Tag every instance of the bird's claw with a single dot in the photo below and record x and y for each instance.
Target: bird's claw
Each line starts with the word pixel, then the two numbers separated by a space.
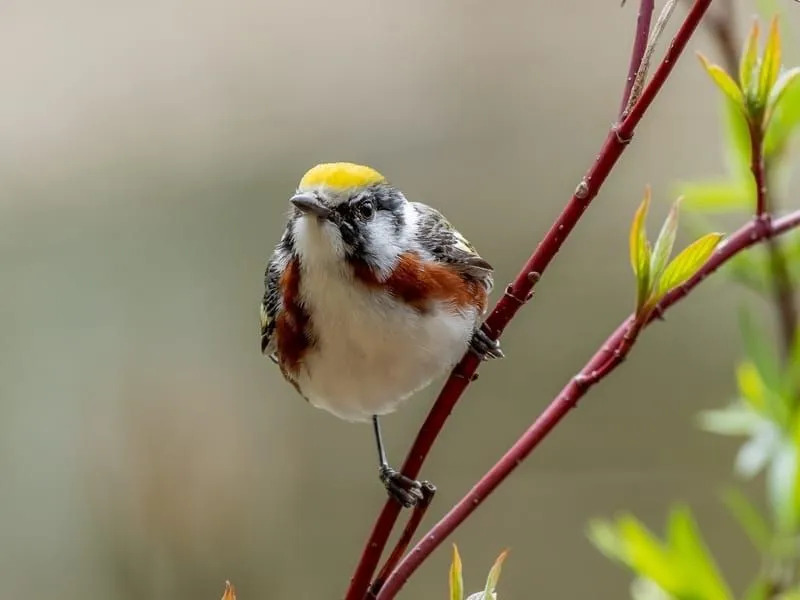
pixel 485 347
pixel 408 492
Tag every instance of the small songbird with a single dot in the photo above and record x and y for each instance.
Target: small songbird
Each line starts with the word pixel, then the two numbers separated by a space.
pixel 368 298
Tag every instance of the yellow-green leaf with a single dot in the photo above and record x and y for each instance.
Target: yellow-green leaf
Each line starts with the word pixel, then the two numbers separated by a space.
pixel 687 263
pixel 640 251
pixel 664 243
pixel 703 579
pixel 749 518
pixel 751 386
pixel 724 81
pixel 607 539
pixel 771 62
pixel 778 91
pixel 494 575
pixel 646 553
pixel 749 57
pixel 456 578
pixel 717 196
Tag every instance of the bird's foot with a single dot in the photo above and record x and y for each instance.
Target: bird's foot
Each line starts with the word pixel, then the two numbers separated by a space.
pixel 483 346
pixel 408 492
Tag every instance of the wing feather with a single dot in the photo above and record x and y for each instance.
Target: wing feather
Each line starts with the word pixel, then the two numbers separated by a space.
pixel 271 303
pixel 447 245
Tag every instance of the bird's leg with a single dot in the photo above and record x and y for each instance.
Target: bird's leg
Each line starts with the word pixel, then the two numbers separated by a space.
pixel 484 346
pixel 408 492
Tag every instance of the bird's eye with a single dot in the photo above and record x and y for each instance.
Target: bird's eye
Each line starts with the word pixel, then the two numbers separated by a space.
pixel 366 209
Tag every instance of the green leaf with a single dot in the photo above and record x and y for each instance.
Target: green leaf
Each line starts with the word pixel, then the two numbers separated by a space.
pixel 646 554
pixel 456 577
pixel 787 79
pixel 747 63
pixel 494 575
pixel 717 196
pixel 749 519
pixel 734 419
pixel 640 251
pixel 783 124
pixel 724 81
pixel 687 263
pixel 684 539
pixel 605 537
pixel 664 243
pixel 759 350
pixel 647 589
pixel 751 386
pixel 770 62
pixel 783 113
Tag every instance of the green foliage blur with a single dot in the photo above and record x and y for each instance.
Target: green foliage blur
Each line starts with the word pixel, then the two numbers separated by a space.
pixel 761 105
pixel 457 578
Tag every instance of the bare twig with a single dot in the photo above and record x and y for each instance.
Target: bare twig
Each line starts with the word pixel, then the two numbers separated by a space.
pixel 641 73
pixel 604 362
pixel 643 21
pixel 519 291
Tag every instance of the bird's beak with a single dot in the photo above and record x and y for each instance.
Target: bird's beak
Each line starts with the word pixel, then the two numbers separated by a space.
pixel 310 205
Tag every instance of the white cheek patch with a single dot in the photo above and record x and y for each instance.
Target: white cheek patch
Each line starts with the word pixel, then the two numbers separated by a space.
pixel 385 243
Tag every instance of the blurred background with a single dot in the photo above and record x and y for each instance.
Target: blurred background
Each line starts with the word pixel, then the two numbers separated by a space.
pixel 148 450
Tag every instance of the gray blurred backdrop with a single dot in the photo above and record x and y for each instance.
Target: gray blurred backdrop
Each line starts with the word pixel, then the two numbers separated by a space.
pixel 148 450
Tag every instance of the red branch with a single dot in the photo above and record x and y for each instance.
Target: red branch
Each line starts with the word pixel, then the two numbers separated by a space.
pixel 781 277
pixel 610 353
pixel 519 291
pixel 757 168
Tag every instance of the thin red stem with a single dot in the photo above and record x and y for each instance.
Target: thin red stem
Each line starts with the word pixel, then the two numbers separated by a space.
pixel 643 21
pixel 747 236
pixel 404 540
pixel 519 291
pixel 757 168
pixel 783 289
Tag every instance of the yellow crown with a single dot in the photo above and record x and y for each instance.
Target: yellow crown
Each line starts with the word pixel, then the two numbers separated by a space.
pixel 340 176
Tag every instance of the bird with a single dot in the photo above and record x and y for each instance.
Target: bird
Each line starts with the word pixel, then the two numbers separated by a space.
pixel 369 297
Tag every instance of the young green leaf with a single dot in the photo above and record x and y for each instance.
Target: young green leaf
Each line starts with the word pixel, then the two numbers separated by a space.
pixel 703 577
pixel 664 243
pixel 759 349
pixel 751 386
pixel 687 263
pixel 735 419
pixel 605 537
pixel 640 251
pixel 747 63
pixel 494 576
pixel 456 577
pixel 647 555
pixel 720 196
pixel 770 62
pixel 724 81
pixel 784 118
pixel 749 518
pixel 785 81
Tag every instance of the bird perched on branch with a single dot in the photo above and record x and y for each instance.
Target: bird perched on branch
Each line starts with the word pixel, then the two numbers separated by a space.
pixel 368 298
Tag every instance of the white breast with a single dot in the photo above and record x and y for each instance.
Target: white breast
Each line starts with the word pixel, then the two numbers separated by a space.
pixel 372 351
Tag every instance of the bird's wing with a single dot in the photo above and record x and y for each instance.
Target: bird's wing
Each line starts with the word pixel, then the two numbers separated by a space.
pixel 446 245
pixel 271 303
